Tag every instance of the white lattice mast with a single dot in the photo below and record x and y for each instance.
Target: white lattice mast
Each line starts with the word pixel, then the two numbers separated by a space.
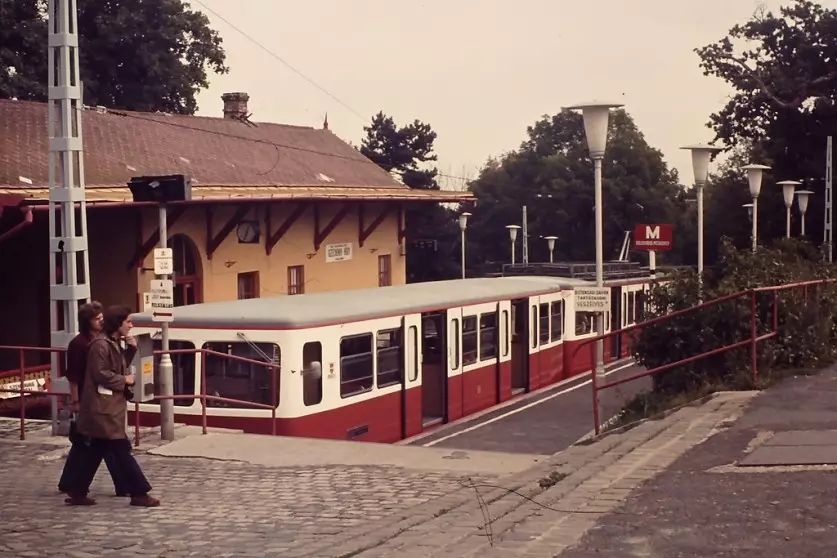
pixel 828 230
pixel 69 270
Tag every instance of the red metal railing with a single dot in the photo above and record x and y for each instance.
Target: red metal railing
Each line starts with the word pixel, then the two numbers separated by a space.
pixel 23 370
pixel 202 396
pixel 752 340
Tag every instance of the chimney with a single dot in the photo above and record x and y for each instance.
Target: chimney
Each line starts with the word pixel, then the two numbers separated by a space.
pixel 235 105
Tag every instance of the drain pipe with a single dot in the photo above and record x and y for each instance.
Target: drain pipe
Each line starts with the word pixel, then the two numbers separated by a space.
pixel 27 220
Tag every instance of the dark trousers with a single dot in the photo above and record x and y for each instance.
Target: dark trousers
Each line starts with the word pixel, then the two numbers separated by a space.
pixel 75 459
pixel 91 452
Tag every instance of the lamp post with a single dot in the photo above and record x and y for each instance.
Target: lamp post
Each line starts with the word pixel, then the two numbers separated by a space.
pixel 701 154
pixel 596 116
pixel 550 242
pixel 802 197
pixel 463 224
pixel 513 236
pixel 754 175
pixel 788 187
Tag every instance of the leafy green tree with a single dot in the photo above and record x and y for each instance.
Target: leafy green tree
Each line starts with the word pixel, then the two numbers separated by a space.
pixel 781 67
pixel 432 233
pixel 552 175
pixel 144 55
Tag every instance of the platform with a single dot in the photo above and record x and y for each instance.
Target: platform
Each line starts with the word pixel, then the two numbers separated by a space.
pixel 799 447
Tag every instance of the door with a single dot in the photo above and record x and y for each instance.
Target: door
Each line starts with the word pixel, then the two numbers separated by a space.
pixel 504 358
pixel 616 304
pixel 453 365
pixel 519 347
pixel 433 359
pixel 411 402
pixel 534 372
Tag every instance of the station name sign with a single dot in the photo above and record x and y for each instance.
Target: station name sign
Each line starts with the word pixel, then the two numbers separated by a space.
pixel 653 237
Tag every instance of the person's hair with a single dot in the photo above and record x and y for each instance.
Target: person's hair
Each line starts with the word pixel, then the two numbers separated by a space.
pixel 114 316
pixel 86 313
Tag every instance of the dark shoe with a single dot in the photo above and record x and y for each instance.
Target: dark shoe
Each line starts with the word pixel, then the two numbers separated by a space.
pixel 77 500
pixel 122 494
pixel 145 501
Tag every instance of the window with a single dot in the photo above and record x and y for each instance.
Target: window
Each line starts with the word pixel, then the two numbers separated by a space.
pixel 488 336
pixel 244 381
pixel 631 313
pixel 454 342
pixel 506 333
pixel 412 353
pixel 312 383
pixel 248 285
pixel 585 322
pixel 544 323
pixel 534 334
pixel 356 366
pixel 557 320
pixel 184 371
pixel 388 348
pixel 469 340
pixel 296 279
pixel 384 270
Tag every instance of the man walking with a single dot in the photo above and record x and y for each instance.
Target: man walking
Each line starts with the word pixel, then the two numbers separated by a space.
pixel 89 325
pixel 103 411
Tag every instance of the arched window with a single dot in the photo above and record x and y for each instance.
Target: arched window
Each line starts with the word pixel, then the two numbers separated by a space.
pixel 187 271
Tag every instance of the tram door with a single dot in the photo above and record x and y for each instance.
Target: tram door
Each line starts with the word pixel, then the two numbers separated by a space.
pixel 616 321
pixel 433 359
pixel 520 346
pixel 411 357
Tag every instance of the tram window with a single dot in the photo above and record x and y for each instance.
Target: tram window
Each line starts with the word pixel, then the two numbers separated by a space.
pixel 454 342
pixel 412 348
pixel 356 366
pixel 534 333
pixel 557 320
pixel 631 308
pixel 544 323
pixel 585 322
pixel 244 381
pixel 312 379
pixel 469 340
pixel 184 371
pixel 506 333
pixel 488 336
pixel 388 348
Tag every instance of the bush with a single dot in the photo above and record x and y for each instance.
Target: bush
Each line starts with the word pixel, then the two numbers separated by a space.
pixel 806 327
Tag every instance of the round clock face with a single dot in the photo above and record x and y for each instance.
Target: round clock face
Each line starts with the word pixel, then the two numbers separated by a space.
pixel 247 232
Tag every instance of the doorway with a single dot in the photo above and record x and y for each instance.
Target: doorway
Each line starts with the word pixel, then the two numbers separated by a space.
pixel 187 271
pixel 520 347
pixel 616 321
pixel 434 368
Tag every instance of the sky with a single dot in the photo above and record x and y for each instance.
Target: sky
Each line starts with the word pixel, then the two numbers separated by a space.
pixel 478 71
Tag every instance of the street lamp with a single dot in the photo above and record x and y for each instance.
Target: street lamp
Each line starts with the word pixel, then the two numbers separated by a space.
pixel 596 115
pixel 550 242
pixel 513 236
pixel 802 197
pixel 463 224
pixel 701 154
pixel 788 186
pixel 754 175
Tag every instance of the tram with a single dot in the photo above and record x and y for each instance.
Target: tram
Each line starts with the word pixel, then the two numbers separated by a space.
pixel 386 363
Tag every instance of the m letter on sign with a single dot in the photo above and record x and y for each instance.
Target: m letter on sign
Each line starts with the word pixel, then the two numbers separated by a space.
pixel 652 237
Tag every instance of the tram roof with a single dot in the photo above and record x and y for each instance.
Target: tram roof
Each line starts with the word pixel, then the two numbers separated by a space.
pixel 319 309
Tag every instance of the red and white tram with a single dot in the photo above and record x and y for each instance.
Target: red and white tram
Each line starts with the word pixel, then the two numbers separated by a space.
pixel 385 363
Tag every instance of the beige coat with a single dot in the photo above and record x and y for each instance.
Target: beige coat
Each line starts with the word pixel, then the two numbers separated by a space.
pixel 103 409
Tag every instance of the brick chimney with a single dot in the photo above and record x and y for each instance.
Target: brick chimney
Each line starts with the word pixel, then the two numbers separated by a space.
pixel 235 105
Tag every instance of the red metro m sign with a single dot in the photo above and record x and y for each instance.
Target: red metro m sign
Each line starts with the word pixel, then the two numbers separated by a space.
pixel 652 237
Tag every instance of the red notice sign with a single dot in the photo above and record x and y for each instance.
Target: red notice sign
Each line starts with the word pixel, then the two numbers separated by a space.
pixel 652 237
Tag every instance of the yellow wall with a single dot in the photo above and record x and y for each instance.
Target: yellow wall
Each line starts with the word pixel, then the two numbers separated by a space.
pixel 220 274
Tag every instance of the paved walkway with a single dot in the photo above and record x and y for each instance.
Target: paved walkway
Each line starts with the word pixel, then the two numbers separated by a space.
pixel 238 505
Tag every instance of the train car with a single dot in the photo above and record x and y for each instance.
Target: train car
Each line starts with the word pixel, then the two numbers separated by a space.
pixel 377 364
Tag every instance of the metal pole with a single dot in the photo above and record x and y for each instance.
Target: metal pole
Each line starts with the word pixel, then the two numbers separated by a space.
pixel 755 223
pixel 787 223
pixel 597 169
pixel 525 237
pixel 512 248
pixel 803 225
pixel 699 187
pixel 69 268
pixel 550 256
pixel 828 229
pixel 462 235
pixel 166 366
pixel 652 263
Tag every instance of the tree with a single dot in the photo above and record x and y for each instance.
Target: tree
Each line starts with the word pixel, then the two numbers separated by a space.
pixel 552 175
pixel 144 55
pixel 405 152
pixel 785 80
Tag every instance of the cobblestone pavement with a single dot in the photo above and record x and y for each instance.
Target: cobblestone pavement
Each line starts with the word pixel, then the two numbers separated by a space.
pixel 706 506
pixel 216 509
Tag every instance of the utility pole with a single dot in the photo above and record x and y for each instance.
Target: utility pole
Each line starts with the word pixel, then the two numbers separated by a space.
pixel 525 237
pixel 69 268
pixel 828 231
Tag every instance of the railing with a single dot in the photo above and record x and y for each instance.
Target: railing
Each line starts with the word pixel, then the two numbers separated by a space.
pixel 202 396
pixel 21 373
pixel 753 339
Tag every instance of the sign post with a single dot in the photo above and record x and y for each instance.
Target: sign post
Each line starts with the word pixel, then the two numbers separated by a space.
pixel 653 238
pixel 162 303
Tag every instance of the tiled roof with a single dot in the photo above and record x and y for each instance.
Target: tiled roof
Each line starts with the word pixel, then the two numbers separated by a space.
pixel 214 151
